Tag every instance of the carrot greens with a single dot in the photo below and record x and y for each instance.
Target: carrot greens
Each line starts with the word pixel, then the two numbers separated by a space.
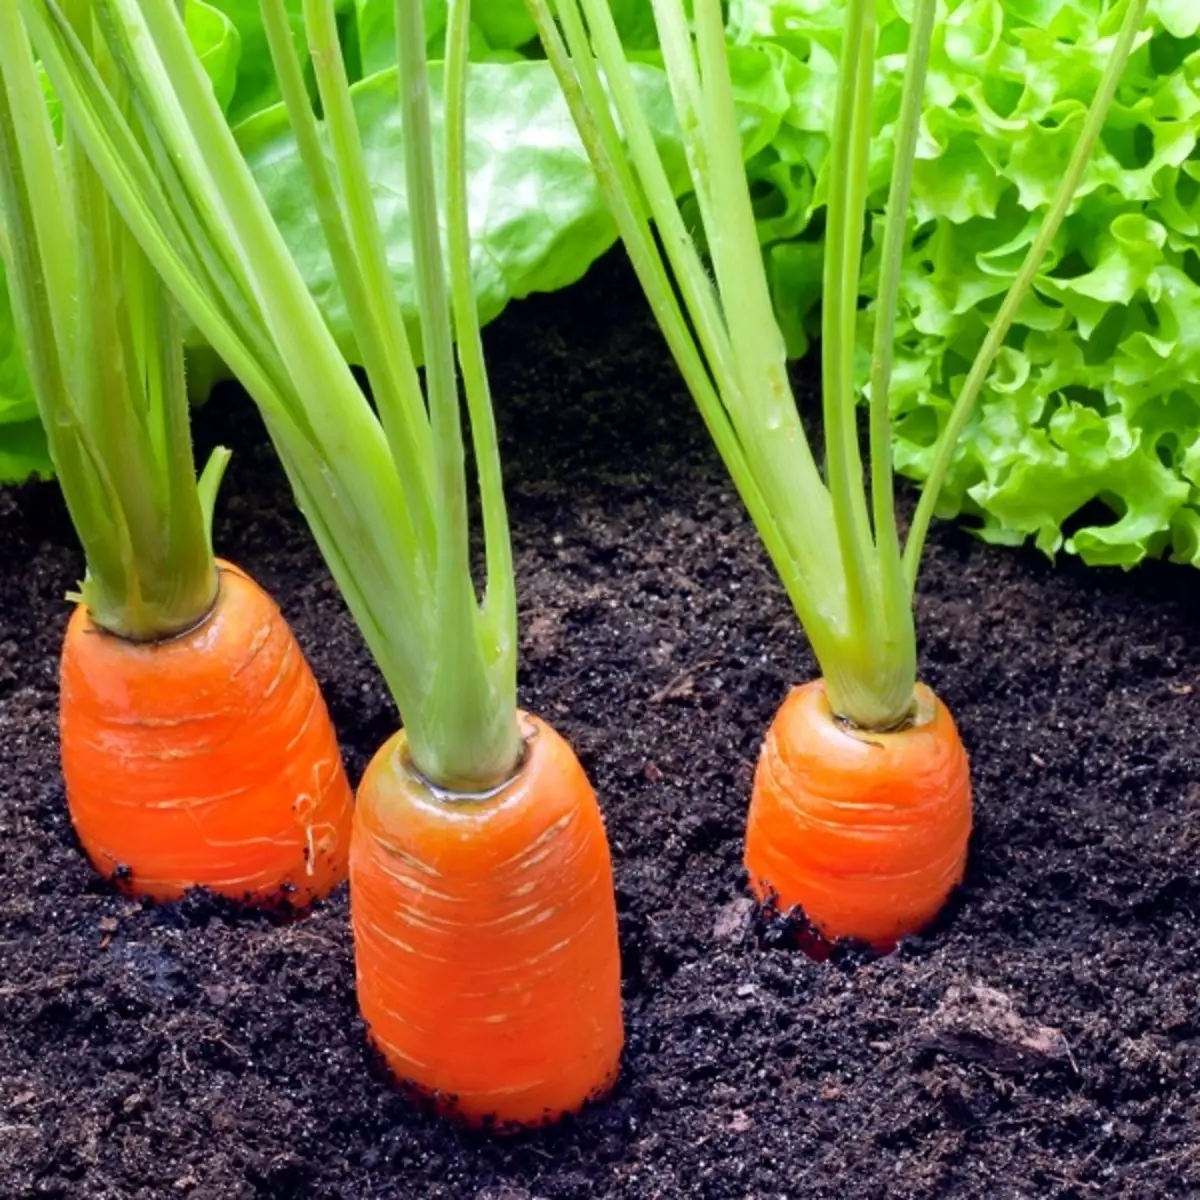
pixel 386 495
pixel 105 355
pixel 832 536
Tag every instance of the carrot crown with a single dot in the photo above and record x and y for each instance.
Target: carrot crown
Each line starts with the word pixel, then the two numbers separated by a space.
pixel 106 359
pixel 385 495
pixel 832 538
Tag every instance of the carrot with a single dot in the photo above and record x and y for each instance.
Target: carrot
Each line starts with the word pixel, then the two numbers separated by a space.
pixel 196 748
pixel 866 832
pixel 484 931
pixel 207 760
pixel 861 807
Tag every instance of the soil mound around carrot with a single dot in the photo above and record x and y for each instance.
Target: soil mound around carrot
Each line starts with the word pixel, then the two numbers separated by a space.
pixel 1042 1041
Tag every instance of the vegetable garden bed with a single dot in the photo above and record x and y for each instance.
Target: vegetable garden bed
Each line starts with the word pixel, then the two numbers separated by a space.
pixel 202 1051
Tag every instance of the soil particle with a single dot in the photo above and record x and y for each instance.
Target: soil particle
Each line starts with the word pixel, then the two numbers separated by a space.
pixel 201 1052
pixel 982 1024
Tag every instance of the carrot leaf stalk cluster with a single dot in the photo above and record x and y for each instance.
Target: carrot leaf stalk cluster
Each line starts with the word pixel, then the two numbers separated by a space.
pixel 832 536
pixel 106 359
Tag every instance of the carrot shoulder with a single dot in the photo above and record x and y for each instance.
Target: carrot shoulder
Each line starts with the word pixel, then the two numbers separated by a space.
pixel 866 832
pixel 486 936
pixel 205 760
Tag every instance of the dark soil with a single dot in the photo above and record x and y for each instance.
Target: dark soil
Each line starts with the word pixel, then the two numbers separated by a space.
pixel 1043 1042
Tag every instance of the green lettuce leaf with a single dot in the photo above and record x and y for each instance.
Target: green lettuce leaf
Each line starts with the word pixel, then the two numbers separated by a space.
pixel 499 29
pixel 218 46
pixel 22 443
pixel 1094 404
pixel 538 220
pixel 255 87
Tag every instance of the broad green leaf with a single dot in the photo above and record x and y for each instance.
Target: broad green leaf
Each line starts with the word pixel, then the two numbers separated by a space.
pixel 498 28
pixel 538 220
pixel 1179 17
pixel 1097 395
pixel 23 451
pixel 537 216
pixel 635 21
pixel 22 443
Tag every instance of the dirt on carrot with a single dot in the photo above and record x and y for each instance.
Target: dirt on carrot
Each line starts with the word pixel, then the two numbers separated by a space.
pixel 207 760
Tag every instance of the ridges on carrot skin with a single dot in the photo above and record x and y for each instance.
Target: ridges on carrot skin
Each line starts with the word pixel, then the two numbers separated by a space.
pixel 207 760
pixel 485 936
pixel 866 832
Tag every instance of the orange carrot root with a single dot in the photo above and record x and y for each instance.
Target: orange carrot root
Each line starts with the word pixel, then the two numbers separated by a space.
pixel 207 760
pixel 866 832
pixel 485 936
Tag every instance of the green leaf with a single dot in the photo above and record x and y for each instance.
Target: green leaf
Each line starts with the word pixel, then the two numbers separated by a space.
pixel 501 30
pixel 498 28
pixel 1096 398
pixel 1114 326
pixel 1181 18
pixel 218 46
pixel 256 87
pixel 635 22
pixel 537 217
pixel 23 450
pixel 504 23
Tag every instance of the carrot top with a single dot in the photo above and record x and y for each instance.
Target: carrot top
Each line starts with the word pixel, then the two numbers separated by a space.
pixel 106 359
pixel 386 495
pixel 832 538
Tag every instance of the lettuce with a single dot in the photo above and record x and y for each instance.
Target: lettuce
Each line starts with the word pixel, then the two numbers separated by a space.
pixel 498 30
pixel 22 442
pixel 501 30
pixel 537 218
pixel 1088 435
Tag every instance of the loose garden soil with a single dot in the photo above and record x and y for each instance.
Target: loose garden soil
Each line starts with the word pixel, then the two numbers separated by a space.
pixel 1042 1042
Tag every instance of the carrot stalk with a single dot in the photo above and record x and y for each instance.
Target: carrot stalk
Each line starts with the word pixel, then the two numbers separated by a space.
pixel 196 748
pixel 833 542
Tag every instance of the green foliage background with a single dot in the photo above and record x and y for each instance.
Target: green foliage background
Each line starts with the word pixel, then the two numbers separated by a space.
pixel 1096 396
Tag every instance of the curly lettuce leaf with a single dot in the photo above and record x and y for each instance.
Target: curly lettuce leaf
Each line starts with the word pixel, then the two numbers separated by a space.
pixel 1094 405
